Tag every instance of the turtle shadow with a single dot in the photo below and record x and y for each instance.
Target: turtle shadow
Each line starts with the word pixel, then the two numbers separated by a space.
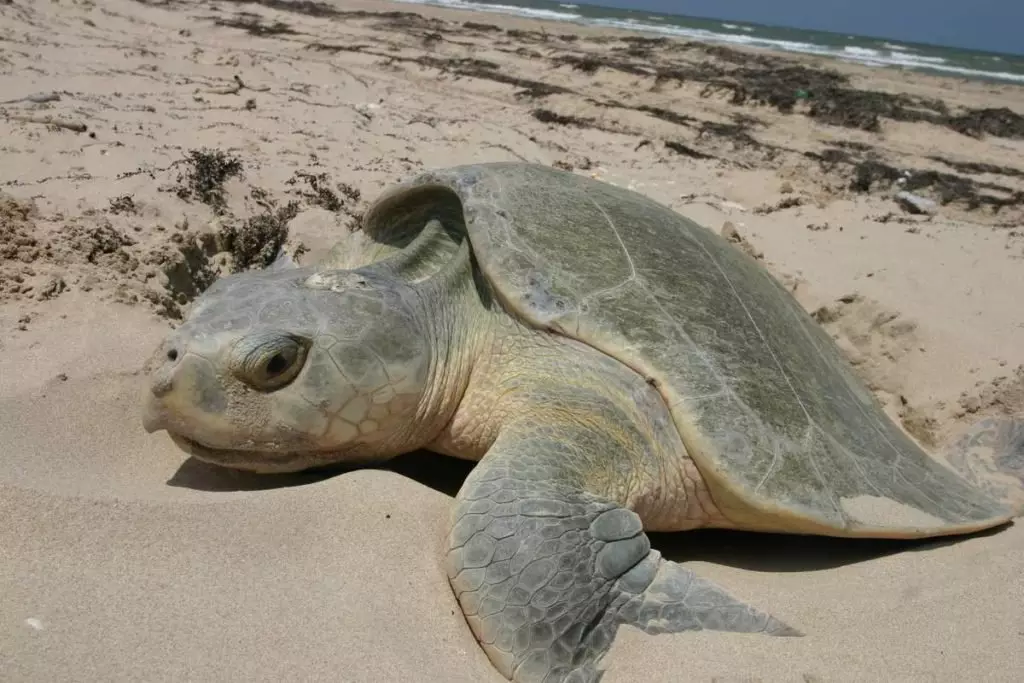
pixel 202 476
pixel 753 551
pixel 776 553
pixel 438 472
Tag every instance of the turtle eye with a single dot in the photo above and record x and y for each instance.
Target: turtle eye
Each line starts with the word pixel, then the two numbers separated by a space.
pixel 268 362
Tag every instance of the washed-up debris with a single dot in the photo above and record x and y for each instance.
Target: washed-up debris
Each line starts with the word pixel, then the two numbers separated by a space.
pixel 76 126
pixel 913 203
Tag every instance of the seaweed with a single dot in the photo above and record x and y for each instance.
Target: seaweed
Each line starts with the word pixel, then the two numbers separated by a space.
pixel 830 99
pixel 476 26
pixel 850 109
pixel 481 68
pixel 258 240
pixel 685 150
pixel 460 65
pixel 537 36
pixel 123 204
pixel 253 25
pixel 732 56
pixel 307 7
pixel 975 168
pixel 319 192
pixel 946 187
pixel 548 116
pixel 705 72
pixel 203 179
pixel 667 115
pixel 868 175
pixel 335 48
pixel 735 132
pixel 831 158
pixel 1001 122
pixel 589 64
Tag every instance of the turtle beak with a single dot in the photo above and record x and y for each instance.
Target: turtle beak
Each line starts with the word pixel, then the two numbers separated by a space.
pixel 153 418
pixel 154 411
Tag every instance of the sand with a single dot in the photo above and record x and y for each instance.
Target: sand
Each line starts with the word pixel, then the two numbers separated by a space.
pixel 120 559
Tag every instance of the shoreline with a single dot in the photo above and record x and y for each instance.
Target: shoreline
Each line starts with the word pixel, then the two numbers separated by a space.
pixel 821 61
pixel 969 91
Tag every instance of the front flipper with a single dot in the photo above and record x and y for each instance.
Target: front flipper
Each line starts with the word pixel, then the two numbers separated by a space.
pixel 990 455
pixel 545 572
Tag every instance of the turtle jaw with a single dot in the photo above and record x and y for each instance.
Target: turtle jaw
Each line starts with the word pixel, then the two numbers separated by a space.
pixel 251 461
pixel 264 461
pixel 248 457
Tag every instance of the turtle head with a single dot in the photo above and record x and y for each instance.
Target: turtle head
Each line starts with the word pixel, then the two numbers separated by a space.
pixel 290 368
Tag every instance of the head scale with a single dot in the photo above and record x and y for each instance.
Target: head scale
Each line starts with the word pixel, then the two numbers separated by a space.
pixel 290 368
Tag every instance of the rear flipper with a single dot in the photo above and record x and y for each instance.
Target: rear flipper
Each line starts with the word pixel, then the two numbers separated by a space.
pixel 990 455
pixel 661 596
pixel 675 599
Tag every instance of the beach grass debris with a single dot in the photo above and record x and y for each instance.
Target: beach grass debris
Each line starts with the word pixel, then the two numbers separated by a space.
pixel 255 242
pixel 122 204
pixel 686 150
pixel 206 171
pixel 254 25
pixel 551 117
pixel 319 190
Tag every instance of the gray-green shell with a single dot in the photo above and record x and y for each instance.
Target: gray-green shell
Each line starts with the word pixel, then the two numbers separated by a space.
pixel 787 436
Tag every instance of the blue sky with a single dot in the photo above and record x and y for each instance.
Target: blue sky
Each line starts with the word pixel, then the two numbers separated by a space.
pixel 995 25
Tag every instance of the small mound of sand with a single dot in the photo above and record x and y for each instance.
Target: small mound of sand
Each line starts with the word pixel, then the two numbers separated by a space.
pixel 872 337
pixel 124 254
pixel 19 248
pixel 1003 395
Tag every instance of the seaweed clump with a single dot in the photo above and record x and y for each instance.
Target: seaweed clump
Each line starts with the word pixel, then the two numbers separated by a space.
pixel 685 150
pixel 827 94
pixel 974 167
pixel 548 116
pixel 1001 122
pixel 257 242
pixel 318 190
pixel 252 24
pixel 946 187
pixel 667 115
pixel 205 174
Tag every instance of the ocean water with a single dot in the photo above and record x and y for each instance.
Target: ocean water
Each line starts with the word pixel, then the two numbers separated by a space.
pixel 970 64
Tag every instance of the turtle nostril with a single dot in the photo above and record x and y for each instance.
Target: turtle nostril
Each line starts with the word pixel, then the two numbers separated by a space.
pixel 172 355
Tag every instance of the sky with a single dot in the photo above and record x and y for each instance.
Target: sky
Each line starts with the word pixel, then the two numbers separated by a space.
pixel 992 25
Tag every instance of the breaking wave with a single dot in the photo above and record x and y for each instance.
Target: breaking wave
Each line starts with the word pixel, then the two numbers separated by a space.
pixel 885 54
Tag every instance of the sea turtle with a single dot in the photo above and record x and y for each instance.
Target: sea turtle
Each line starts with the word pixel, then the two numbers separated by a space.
pixel 614 368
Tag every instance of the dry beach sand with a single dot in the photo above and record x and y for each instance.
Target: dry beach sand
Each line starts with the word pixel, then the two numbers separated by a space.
pixel 214 130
